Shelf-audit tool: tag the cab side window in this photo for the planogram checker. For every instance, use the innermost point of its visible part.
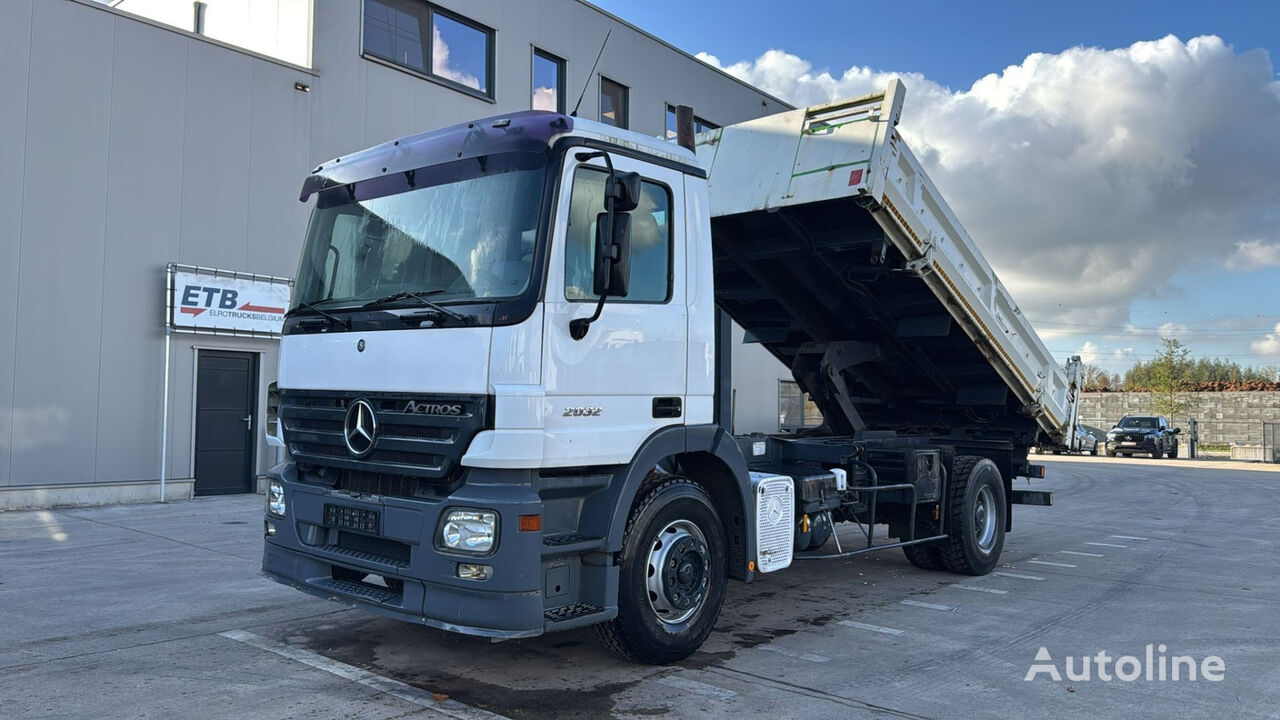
(650, 280)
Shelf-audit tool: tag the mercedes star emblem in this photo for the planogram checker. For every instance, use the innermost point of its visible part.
(775, 510)
(361, 428)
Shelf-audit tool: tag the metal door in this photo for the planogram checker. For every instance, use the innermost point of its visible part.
(610, 390)
(226, 400)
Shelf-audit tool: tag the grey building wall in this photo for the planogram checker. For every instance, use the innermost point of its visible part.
(125, 145)
(360, 102)
(1223, 417)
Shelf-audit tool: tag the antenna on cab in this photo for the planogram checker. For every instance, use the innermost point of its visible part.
(593, 72)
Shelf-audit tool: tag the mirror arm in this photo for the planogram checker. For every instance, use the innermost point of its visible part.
(578, 327)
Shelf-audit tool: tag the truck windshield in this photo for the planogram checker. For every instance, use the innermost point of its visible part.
(1139, 423)
(459, 230)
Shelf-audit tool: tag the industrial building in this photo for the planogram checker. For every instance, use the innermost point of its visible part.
(140, 135)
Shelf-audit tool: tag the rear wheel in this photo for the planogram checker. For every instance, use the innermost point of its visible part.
(925, 557)
(672, 575)
(975, 517)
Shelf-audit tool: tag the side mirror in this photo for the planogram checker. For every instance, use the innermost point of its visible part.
(613, 254)
(624, 188)
(1177, 430)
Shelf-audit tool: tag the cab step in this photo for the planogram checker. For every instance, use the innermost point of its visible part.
(576, 615)
(570, 544)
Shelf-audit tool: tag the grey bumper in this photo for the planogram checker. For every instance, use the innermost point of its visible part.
(422, 585)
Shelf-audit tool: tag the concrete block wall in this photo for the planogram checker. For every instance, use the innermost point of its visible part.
(1224, 417)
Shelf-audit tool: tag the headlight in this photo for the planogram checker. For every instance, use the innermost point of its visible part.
(469, 531)
(275, 498)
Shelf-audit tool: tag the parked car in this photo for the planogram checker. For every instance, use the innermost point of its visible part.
(1086, 442)
(1147, 434)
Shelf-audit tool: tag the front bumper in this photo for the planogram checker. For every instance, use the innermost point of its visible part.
(419, 583)
(1145, 445)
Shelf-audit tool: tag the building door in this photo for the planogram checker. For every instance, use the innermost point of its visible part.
(226, 400)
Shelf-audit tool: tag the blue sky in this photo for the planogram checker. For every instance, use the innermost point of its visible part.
(1183, 239)
(952, 43)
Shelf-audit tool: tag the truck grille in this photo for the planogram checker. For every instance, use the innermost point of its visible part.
(407, 444)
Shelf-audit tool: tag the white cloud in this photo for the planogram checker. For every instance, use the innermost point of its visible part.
(544, 98)
(1172, 330)
(1269, 345)
(1253, 255)
(1110, 359)
(1088, 176)
(1088, 352)
(440, 63)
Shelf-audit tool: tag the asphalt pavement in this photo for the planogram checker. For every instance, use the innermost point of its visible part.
(158, 611)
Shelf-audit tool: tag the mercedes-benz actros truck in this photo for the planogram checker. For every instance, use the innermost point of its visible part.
(504, 383)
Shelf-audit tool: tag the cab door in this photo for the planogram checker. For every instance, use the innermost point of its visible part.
(626, 378)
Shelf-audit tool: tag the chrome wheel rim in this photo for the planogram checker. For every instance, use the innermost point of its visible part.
(985, 519)
(678, 572)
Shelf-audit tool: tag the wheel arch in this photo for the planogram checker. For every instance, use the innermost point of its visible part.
(705, 454)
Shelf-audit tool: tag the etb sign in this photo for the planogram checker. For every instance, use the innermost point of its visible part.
(227, 302)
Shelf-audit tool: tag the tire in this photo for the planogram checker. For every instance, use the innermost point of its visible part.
(1094, 451)
(925, 557)
(975, 517)
(1157, 454)
(665, 617)
(1111, 453)
(1173, 453)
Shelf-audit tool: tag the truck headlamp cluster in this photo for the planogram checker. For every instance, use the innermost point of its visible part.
(275, 498)
(469, 531)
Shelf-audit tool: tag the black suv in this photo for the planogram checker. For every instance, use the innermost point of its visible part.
(1143, 434)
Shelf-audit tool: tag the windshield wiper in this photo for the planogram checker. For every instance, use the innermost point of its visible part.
(338, 319)
(421, 297)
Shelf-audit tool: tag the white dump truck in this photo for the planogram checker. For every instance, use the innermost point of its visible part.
(504, 385)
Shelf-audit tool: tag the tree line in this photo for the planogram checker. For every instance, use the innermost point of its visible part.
(1173, 368)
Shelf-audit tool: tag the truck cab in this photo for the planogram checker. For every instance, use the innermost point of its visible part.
(457, 454)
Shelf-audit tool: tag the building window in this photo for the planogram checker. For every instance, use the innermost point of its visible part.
(548, 82)
(650, 280)
(796, 409)
(613, 103)
(699, 125)
(443, 46)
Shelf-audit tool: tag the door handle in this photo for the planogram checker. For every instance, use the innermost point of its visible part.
(666, 407)
(248, 422)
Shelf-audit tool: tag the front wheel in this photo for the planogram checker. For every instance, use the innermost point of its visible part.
(975, 517)
(672, 575)
(1157, 454)
(1173, 453)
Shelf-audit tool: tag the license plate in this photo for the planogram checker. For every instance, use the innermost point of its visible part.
(350, 518)
(1128, 442)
